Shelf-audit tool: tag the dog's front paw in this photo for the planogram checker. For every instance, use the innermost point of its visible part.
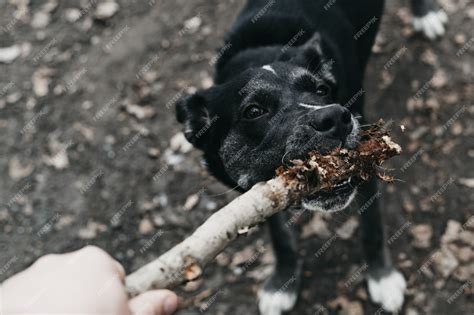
(387, 288)
(277, 295)
(432, 25)
(276, 302)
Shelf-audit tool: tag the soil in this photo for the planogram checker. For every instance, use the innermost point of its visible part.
(91, 153)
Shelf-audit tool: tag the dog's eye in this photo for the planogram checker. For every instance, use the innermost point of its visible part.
(323, 90)
(253, 111)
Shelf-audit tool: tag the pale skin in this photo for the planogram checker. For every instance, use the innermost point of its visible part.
(87, 281)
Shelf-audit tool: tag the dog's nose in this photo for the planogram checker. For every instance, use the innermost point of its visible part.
(333, 121)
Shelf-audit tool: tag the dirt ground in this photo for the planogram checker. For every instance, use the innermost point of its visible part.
(90, 152)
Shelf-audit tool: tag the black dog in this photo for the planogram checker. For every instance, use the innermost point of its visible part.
(289, 81)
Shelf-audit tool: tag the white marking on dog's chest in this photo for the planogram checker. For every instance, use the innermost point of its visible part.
(269, 68)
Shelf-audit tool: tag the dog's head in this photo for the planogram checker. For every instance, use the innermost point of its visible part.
(267, 116)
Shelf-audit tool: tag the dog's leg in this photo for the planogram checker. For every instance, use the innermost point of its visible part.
(428, 19)
(280, 291)
(386, 285)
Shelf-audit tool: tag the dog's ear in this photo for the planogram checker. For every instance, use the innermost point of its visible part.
(193, 113)
(308, 55)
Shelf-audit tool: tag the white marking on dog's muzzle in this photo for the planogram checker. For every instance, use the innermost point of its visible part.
(269, 68)
(315, 107)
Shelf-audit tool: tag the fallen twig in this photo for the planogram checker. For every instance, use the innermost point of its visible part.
(186, 261)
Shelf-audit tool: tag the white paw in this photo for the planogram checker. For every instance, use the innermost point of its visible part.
(432, 24)
(274, 303)
(388, 291)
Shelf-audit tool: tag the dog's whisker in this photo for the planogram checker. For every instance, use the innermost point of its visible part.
(366, 125)
(399, 180)
(334, 218)
(283, 158)
(384, 168)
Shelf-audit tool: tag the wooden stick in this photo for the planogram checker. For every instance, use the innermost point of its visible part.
(186, 261)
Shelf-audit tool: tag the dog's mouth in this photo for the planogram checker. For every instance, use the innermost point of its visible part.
(335, 199)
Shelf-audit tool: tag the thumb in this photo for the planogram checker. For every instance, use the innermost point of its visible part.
(155, 302)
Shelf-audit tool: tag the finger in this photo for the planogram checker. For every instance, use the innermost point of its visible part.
(156, 302)
(120, 270)
(97, 254)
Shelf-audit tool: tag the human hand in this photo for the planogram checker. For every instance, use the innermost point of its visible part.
(87, 281)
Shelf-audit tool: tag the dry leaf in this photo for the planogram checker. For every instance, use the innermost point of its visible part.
(453, 228)
(9, 54)
(445, 263)
(346, 231)
(317, 226)
(422, 234)
(17, 171)
(106, 9)
(41, 80)
(179, 143)
(145, 227)
(191, 202)
(140, 112)
(192, 25)
(91, 230)
(439, 79)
